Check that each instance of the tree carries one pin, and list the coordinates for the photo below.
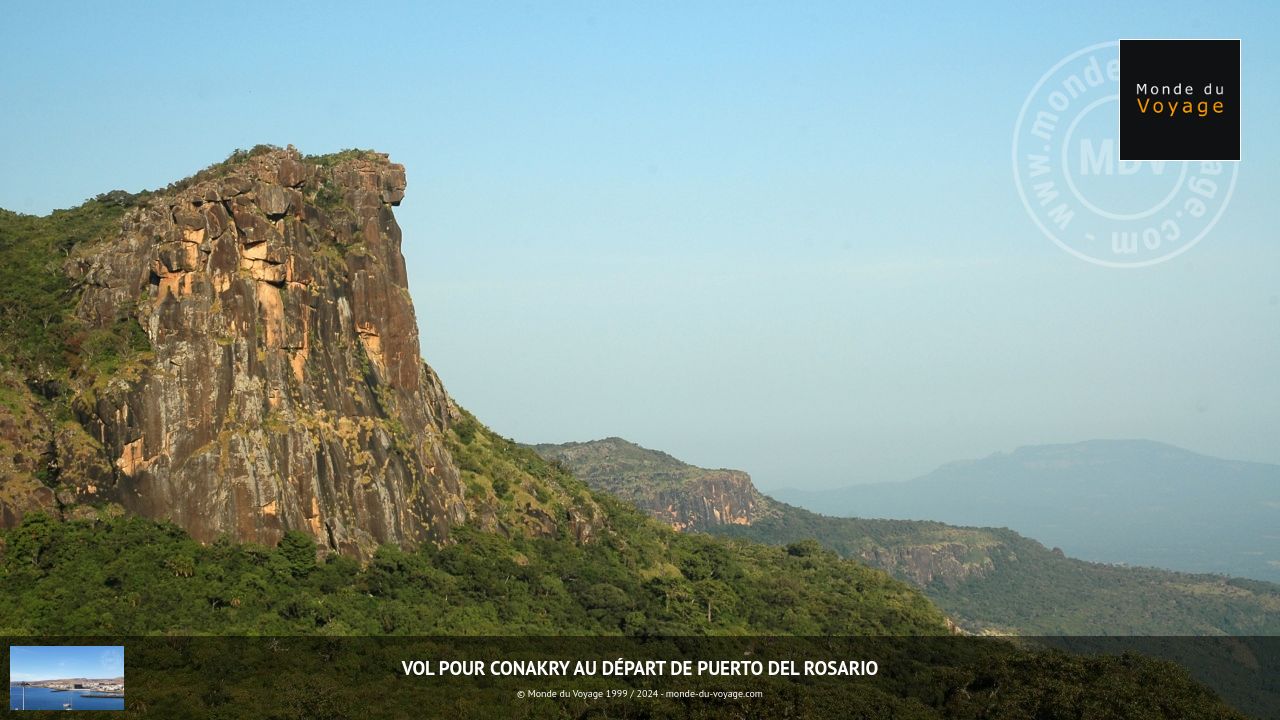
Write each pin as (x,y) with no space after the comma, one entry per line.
(299,549)
(715,595)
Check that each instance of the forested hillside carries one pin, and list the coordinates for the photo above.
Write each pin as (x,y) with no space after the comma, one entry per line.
(988,580)
(995,580)
(128,575)
(113,575)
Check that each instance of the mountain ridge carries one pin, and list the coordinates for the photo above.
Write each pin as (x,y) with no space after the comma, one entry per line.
(1137,502)
(988,579)
(680,495)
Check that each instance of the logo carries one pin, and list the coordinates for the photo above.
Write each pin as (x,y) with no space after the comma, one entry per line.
(1075,187)
(1180,99)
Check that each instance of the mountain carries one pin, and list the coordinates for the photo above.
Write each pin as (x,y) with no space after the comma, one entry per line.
(1117,501)
(214,420)
(191,376)
(988,580)
(237,354)
(678,494)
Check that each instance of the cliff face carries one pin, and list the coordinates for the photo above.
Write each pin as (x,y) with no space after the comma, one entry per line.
(279,384)
(681,495)
(714,497)
(948,564)
(691,498)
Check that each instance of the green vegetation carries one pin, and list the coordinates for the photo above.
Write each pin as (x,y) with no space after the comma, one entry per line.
(1119,501)
(1028,589)
(551,559)
(329,160)
(121,576)
(38,333)
(513,484)
(130,576)
(988,580)
(1037,591)
(50,359)
(127,575)
(236,158)
(623,468)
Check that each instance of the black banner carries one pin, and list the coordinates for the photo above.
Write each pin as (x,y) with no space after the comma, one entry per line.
(333,678)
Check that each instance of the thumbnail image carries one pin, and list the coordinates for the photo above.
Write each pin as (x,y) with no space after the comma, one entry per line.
(66,677)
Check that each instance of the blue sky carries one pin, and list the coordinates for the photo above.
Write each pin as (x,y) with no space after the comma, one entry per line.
(783,237)
(54,662)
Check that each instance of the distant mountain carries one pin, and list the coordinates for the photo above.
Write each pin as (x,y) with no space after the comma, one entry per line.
(988,580)
(117,679)
(1118,501)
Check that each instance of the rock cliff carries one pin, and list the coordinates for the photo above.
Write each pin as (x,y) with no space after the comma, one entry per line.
(946,563)
(681,495)
(691,498)
(271,378)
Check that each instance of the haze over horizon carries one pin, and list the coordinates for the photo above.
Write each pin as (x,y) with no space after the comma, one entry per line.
(1138,503)
(762,240)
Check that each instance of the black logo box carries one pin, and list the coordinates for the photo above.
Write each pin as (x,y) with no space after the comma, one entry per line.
(1187,68)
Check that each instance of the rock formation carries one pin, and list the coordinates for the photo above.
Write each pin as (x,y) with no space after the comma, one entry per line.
(691,498)
(681,495)
(949,563)
(280,384)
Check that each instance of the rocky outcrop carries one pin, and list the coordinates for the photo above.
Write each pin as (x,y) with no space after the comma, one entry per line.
(948,564)
(691,498)
(714,497)
(283,387)
(683,496)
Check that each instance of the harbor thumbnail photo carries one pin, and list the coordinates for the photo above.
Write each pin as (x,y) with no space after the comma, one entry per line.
(66,677)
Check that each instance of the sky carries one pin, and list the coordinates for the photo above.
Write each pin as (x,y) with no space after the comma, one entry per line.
(781,237)
(56,662)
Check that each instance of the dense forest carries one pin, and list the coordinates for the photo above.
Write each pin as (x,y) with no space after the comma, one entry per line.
(121,576)
(128,575)
(117,576)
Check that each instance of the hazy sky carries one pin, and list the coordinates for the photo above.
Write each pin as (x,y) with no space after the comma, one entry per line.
(782,237)
(56,662)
